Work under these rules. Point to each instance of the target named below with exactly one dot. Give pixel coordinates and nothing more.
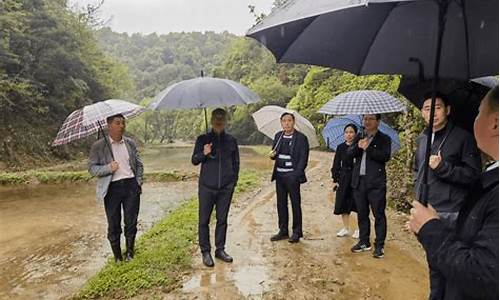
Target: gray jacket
(100, 158)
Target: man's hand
(272, 154)
(207, 149)
(114, 166)
(363, 143)
(435, 160)
(335, 186)
(421, 215)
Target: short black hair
(354, 127)
(377, 116)
(219, 114)
(439, 95)
(287, 114)
(111, 118)
(492, 98)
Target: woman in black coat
(342, 174)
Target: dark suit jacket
(450, 182)
(221, 168)
(299, 153)
(467, 257)
(377, 154)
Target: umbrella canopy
(436, 38)
(464, 96)
(268, 122)
(92, 118)
(203, 92)
(392, 37)
(361, 103)
(333, 133)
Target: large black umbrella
(203, 92)
(464, 96)
(455, 39)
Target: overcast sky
(163, 16)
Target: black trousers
(122, 193)
(436, 279)
(287, 185)
(365, 199)
(208, 198)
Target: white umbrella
(268, 122)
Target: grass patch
(248, 180)
(54, 177)
(163, 253)
(160, 176)
(261, 149)
(44, 177)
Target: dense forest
(54, 59)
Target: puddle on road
(248, 281)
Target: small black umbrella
(455, 39)
(464, 96)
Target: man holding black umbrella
(467, 256)
(218, 154)
(455, 163)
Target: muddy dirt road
(319, 267)
(53, 237)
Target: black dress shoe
(279, 236)
(222, 255)
(294, 238)
(207, 259)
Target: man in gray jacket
(115, 161)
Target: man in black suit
(217, 152)
(371, 150)
(290, 152)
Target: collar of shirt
(492, 166)
(370, 136)
(116, 142)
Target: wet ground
(53, 237)
(321, 266)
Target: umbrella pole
(106, 141)
(424, 191)
(206, 120)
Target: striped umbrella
(362, 103)
(333, 133)
(92, 118)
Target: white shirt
(120, 153)
(495, 165)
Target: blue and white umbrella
(333, 133)
(362, 102)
